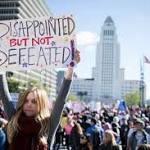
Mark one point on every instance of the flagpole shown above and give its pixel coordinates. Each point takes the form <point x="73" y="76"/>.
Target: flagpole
<point x="142" y="87"/>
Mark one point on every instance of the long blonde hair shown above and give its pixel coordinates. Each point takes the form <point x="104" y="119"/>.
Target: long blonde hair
<point x="42" y="116"/>
<point x="109" y="137"/>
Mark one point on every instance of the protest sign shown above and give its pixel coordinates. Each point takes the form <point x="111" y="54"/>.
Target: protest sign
<point x="37" y="43"/>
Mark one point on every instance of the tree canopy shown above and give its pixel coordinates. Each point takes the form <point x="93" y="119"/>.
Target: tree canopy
<point x="132" y="98"/>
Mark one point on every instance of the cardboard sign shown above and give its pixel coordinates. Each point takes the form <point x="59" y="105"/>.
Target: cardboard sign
<point x="37" y="43"/>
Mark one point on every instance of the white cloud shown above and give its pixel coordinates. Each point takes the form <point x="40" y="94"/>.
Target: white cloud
<point x="86" y="38"/>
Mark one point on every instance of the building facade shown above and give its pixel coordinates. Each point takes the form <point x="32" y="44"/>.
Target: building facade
<point x="106" y="72"/>
<point x="130" y="86"/>
<point x="60" y="76"/>
<point x="17" y="9"/>
<point x="108" y="83"/>
<point x="82" y="88"/>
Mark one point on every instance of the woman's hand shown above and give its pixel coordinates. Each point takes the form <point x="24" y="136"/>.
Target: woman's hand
<point x="69" y="72"/>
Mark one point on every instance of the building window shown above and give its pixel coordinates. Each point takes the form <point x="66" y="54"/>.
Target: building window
<point x="108" y="32"/>
<point x="9" y="4"/>
<point x="8" y="11"/>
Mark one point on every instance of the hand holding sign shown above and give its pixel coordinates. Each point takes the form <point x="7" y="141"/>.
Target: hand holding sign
<point x="69" y="72"/>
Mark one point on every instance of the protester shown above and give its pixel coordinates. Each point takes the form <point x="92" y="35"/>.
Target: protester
<point x="109" y="142"/>
<point x="94" y="134"/>
<point x="138" y="136"/>
<point x="78" y="139"/>
<point x="68" y="129"/>
<point x="33" y="126"/>
<point x="124" y="133"/>
<point x="144" y="147"/>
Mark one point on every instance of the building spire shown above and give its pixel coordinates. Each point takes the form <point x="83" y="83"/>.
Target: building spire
<point x="109" y="20"/>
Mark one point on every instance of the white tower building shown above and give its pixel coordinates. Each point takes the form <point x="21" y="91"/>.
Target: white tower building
<point x="106" y="73"/>
<point x="108" y="81"/>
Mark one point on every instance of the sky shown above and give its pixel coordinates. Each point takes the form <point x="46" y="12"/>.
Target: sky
<point x="132" y="21"/>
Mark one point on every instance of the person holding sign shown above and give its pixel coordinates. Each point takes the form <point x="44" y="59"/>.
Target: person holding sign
<point x="33" y="126"/>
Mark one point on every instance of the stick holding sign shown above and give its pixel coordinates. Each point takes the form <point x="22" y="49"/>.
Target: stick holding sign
<point x="72" y="63"/>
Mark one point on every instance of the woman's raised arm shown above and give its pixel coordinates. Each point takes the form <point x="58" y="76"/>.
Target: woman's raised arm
<point x="60" y="101"/>
<point x="5" y="96"/>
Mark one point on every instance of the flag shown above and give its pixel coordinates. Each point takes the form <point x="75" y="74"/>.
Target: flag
<point x="122" y="105"/>
<point x="146" y="60"/>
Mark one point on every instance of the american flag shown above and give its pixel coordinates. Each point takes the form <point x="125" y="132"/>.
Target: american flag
<point x="146" y="60"/>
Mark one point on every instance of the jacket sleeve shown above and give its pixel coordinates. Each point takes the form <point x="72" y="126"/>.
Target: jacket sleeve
<point x="5" y="96"/>
<point x="57" y="110"/>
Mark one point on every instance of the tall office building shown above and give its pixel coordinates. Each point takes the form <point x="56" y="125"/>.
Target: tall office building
<point x="106" y="71"/>
<point x="108" y="82"/>
<point x="15" y="9"/>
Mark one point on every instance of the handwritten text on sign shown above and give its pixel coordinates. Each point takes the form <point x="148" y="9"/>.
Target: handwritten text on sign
<point x="36" y="43"/>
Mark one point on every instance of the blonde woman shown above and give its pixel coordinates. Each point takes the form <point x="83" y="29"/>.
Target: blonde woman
<point x="109" y="142"/>
<point x="33" y="127"/>
<point x="144" y="147"/>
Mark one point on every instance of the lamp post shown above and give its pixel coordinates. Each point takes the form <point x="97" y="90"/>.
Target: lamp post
<point x="142" y="85"/>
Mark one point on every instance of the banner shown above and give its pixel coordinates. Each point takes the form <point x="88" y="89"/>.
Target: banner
<point x="37" y="43"/>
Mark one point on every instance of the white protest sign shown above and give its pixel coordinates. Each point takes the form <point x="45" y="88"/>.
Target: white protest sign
<point x="37" y="43"/>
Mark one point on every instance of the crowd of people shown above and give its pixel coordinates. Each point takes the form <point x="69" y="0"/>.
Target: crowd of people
<point x="108" y="129"/>
<point x="32" y="126"/>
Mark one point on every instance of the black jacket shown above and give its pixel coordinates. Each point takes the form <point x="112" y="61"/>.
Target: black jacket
<point x="109" y="147"/>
